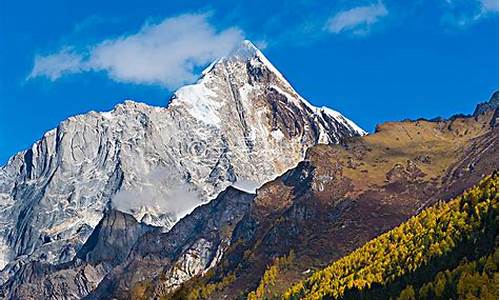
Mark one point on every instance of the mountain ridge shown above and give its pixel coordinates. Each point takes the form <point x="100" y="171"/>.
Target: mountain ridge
<point x="343" y="195"/>
<point x="136" y="157"/>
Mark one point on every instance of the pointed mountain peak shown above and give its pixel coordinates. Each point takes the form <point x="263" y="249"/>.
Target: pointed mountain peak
<point x="240" y="79"/>
<point x="248" y="52"/>
<point x="245" y="51"/>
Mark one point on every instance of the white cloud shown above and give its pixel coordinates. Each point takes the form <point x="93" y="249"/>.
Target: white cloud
<point x="160" y="191"/>
<point x="166" y="54"/>
<point x="358" y="19"/>
<point x="488" y="6"/>
<point x="464" y="13"/>
<point x="56" y="65"/>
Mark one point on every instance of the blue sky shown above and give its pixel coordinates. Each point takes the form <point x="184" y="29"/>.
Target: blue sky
<point x="374" y="61"/>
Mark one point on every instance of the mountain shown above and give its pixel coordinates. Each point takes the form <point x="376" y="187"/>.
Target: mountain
<point x="449" y="251"/>
<point x="342" y="196"/>
<point x="240" y="124"/>
<point x="108" y="246"/>
<point x="335" y="200"/>
<point x="492" y="104"/>
<point x="193" y="246"/>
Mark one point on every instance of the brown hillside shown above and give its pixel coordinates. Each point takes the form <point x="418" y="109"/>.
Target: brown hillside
<point x="342" y="196"/>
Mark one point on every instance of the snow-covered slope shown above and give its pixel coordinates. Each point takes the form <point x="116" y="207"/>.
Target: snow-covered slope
<point x="241" y="122"/>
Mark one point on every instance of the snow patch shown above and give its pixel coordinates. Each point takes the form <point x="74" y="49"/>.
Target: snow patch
<point x="6" y="254"/>
<point x="107" y="115"/>
<point x="199" y="102"/>
<point x="247" y="186"/>
<point x="277" y="134"/>
<point x="246" y="51"/>
<point x="209" y="68"/>
<point x="338" y="116"/>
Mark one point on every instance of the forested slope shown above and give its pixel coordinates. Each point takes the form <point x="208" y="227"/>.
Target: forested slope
<point x="446" y="251"/>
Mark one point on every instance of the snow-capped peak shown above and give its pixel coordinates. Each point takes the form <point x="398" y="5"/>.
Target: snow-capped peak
<point x="232" y="79"/>
<point x="242" y="119"/>
<point x="245" y="51"/>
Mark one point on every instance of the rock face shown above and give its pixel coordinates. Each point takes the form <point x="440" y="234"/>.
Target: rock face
<point x="241" y="122"/>
<point x="108" y="246"/>
<point x="484" y="107"/>
<point x="112" y="239"/>
<point x="195" y="244"/>
<point x="190" y="248"/>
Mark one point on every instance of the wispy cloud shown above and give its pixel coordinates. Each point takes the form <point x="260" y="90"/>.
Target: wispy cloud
<point x="160" y="191"/>
<point x="53" y="66"/>
<point x="463" y="13"/>
<point x="166" y="53"/>
<point x="356" y="20"/>
<point x="489" y="5"/>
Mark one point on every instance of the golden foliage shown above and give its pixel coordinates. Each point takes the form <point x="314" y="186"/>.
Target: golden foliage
<point x="269" y="278"/>
<point x="435" y="232"/>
